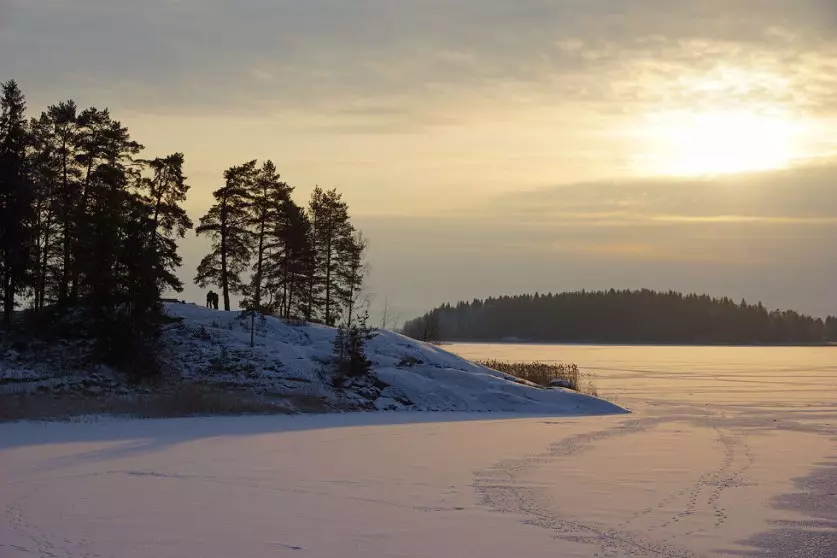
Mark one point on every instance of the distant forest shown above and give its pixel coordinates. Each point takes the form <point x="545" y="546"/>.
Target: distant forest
<point x="644" y="317"/>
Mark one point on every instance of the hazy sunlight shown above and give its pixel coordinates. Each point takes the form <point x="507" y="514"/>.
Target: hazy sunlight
<point x="687" y="143"/>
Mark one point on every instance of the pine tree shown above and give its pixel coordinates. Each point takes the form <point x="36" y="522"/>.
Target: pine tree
<point x="359" y="334"/>
<point x="102" y="212"/>
<point x="267" y="197"/>
<point x="351" y="273"/>
<point x="57" y="136"/>
<point x="45" y="172"/>
<point x="291" y="263"/>
<point x="227" y="224"/>
<point x="349" y="349"/>
<point x="164" y="191"/>
<point x="330" y="225"/>
<point x="15" y="198"/>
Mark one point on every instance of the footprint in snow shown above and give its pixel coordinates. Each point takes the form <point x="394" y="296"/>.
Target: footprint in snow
<point x="290" y="546"/>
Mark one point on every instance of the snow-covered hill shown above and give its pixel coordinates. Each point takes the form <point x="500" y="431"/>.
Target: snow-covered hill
<point x="209" y="367"/>
<point x="213" y="347"/>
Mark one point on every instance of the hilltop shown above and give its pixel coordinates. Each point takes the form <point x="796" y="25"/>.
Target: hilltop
<point x="207" y="356"/>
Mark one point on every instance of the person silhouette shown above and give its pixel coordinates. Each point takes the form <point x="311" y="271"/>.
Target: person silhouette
<point x="212" y="300"/>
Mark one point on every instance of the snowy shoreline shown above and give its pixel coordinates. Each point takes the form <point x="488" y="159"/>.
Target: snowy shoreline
<point x="212" y="369"/>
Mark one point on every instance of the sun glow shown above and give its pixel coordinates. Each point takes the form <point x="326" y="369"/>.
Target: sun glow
<point x="721" y="142"/>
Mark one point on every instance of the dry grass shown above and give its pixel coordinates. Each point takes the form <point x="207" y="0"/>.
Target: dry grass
<point x="543" y="374"/>
<point x="185" y="401"/>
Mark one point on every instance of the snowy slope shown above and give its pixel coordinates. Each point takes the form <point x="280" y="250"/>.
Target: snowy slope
<point x="214" y="347"/>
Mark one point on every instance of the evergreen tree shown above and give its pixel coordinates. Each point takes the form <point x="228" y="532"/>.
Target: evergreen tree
<point x="288" y="265"/>
<point x="165" y="189"/>
<point x="15" y="198"/>
<point x="268" y="197"/>
<point x="269" y="194"/>
<point x="57" y="135"/>
<point x="45" y="174"/>
<point x="227" y="224"/>
<point x="81" y="226"/>
<point x="330" y="226"/>
<point x="351" y="273"/>
<point x="297" y="260"/>
<point x="103" y="210"/>
<point x="349" y="349"/>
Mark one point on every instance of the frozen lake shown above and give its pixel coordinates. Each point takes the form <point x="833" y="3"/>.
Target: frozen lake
<point x="730" y="452"/>
<point x="780" y="377"/>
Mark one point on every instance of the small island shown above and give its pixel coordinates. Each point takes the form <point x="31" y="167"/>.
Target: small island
<point x="620" y="317"/>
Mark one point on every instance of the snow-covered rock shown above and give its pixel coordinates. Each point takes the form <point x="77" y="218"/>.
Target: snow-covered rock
<point x="559" y="383"/>
<point x="214" y="347"/>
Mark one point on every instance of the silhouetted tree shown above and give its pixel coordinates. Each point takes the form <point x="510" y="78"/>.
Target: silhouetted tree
<point x="164" y="190"/>
<point x="290" y="262"/>
<point x="267" y="198"/>
<point x="56" y="136"/>
<point x="330" y="225"/>
<point x="46" y="174"/>
<point x="15" y="197"/>
<point x="227" y="223"/>
<point x="82" y="226"/>
<point x="350" y="273"/>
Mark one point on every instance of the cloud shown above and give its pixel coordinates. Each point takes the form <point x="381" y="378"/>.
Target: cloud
<point x="801" y="195"/>
<point x="422" y="55"/>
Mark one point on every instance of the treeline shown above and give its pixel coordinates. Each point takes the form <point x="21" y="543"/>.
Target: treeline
<point x="89" y="227"/>
<point x="87" y="224"/>
<point x="283" y="259"/>
<point x="625" y="316"/>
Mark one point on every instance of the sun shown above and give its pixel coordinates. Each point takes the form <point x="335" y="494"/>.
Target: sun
<point x="719" y="142"/>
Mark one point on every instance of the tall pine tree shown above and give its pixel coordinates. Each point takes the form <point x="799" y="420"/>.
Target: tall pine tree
<point x="164" y="190"/>
<point x="351" y="273"/>
<point x="329" y="216"/>
<point x="267" y="197"/>
<point x="290" y="264"/>
<point x="15" y="198"/>
<point x="45" y="172"/>
<point x="227" y="224"/>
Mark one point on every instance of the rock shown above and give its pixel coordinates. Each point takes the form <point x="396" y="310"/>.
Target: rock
<point x="368" y="393"/>
<point x="93" y="390"/>
<point x="560" y="383"/>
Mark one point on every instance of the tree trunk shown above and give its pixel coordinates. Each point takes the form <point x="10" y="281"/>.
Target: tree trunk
<point x="225" y="283"/>
<point x="312" y="272"/>
<point x="85" y="194"/>
<point x="328" y="319"/>
<point x="252" y="328"/>
<point x="257" y="298"/>
<point x="40" y="297"/>
<point x="8" y="294"/>
<point x="65" y="271"/>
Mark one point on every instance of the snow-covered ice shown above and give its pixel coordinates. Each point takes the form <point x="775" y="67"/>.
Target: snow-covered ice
<point x="727" y="454"/>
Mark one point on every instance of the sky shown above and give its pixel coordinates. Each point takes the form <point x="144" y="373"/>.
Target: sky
<point x="489" y="147"/>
